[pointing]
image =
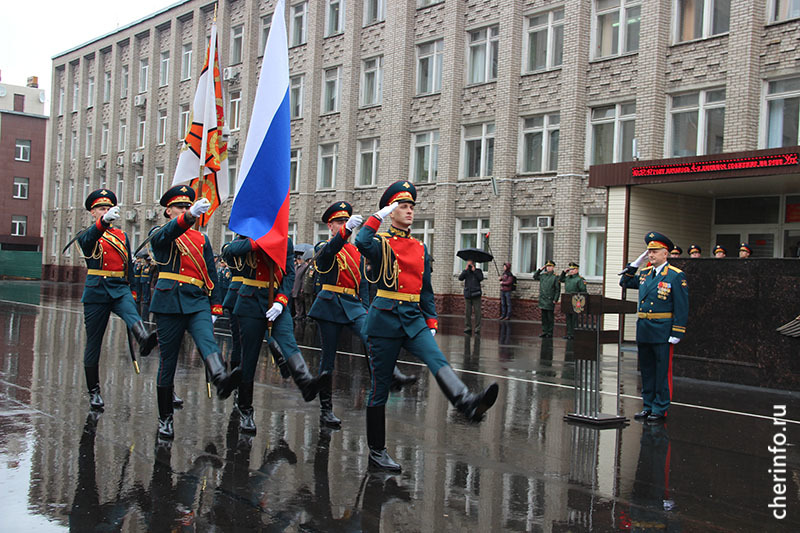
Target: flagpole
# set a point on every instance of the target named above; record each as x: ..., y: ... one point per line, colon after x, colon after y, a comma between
x: 212, y: 45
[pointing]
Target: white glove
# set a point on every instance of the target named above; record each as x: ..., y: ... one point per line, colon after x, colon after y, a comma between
x: 213, y: 319
x: 383, y: 213
x: 111, y: 215
x: 674, y: 340
x: 353, y: 222
x: 433, y: 332
x: 199, y: 207
x: 639, y: 260
x: 274, y: 311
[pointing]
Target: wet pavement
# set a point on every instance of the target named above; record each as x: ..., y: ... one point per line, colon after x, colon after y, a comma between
x: 710, y: 468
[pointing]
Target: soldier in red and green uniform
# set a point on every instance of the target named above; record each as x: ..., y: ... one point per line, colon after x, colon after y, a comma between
x: 403, y: 315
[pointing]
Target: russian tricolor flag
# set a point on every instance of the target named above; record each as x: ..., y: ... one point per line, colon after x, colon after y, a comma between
x: 261, y: 204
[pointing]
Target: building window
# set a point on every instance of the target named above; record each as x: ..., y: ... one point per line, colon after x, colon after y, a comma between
x: 22, y: 152
x: 163, y: 71
x: 297, y: 30
x: 186, y: 61
x: 85, y: 187
x: 540, y: 143
x: 141, y: 127
x: 161, y: 133
x: 334, y: 17
x: 21, y: 188
x: 120, y: 188
x: 266, y: 24
x: 293, y: 231
x: 429, y: 67
x: 321, y: 232
x: 68, y: 253
x: 233, y: 173
x: 425, y: 155
x: 478, y: 150
x: 233, y: 110
x: 236, y: 44
x: 89, y: 141
x: 783, y: 113
x: 104, y: 139
x: 158, y: 185
x: 545, y: 40
x: 328, y: 155
x: 138, y: 189
x: 533, y: 244
x: 60, y: 101
x: 374, y: 11
x: 54, y: 247
x: 423, y: 231
x: 616, y: 27
x: 369, y: 151
x: 106, y: 87
x: 613, y: 130
x: 471, y: 234
x: 57, y: 193
x: 73, y: 145
x: 698, y: 123
x: 697, y: 19
x: 330, y: 94
x: 371, y: 81
x: 483, y: 50
x: 71, y: 193
x: 123, y: 84
x: 296, y: 96
x: 123, y: 135
x: 184, y: 120
x: 75, y: 97
x: 19, y: 225
x: 90, y: 92
x: 593, y: 246
x: 294, y: 168
x: 426, y: 3
x: 784, y: 10
x: 144, y: 67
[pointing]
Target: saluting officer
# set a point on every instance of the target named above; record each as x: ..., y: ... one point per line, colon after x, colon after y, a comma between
x: 663, y: 313
x: 344, y: 298
x: 403, y: 314
x: 573, y: 282
x: 109, y: 286
x: 185, y: 298
x: 255, y: 310
x: 549, y: 291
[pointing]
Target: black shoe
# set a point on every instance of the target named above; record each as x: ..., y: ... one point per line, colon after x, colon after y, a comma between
x: 545, y: 336
x: 165, y: 410
x: 225, y: 382
x: 326, y: 416
x: 177, y: 401
x: 657, y: 418
x: 95, y: 400
x: 245, y: 401
x: 309, y: 386
x: 642, y: 414
x: 278, y: 358
x: 400, y: 380
x: 147, y: 340
x: 93, y: 386
x: 381, y: 460
x: 165, y: 428
x: 471, y: 405
x: 467, y: 332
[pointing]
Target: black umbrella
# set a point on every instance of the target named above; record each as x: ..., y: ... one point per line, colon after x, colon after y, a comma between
x: 475, y: 254
x: 302, y: 248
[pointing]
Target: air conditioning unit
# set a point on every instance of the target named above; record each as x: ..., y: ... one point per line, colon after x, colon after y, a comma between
x: 130, y: 216
x: 137, y: 157
x: 120, y: 160
x: 140, y: 100
x: 229, y: 74
x: 544, y: 222
x: 233, y: 145
x: 100, y: 164
x: 150, y: 214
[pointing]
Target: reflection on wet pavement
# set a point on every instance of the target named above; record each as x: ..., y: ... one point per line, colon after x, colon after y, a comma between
x: 523, y: 469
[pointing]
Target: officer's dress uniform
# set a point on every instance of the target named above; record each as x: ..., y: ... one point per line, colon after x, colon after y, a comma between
x: 663, y: 313
x: 235, y: 268
x: 402, y: 315
x: 145, y: 289
x: 573, y: 283
x: 549, y: 290
x: 252, y: 304
x: 108, y: 288
x: 185, y: 296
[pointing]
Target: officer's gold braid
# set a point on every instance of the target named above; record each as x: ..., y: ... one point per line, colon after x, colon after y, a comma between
x: 387, y: 272
x: 316, y: 267
x: 238, y: 263
x: 250, y: 260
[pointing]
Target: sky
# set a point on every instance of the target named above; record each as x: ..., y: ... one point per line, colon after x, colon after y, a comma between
x: 33, y: 31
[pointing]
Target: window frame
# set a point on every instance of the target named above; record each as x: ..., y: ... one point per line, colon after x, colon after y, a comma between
x: 266, y: 27
x: 380, y: 12
x: 551, y: 27
x: 183, y: 117
x: 234, y: 110
x: 371, y: 145
x: 22, y: 150
x: 547, y: 129
x: 334, y: 156
x: 186, y: 61
x: 707, y: 23
x: 701, y: 108
x: 298, y: 12
x: 425, y: 228
x: 90, y: 92
x: 480, y: 231
x: 486, y: 139
x: 19, y: 225
x: 618, y: 120
x: 138, y: 189
x: 144, y: 70
x: 337, y: 89
x: 237, y: 44
x: 432, y: 146
x: 119, y: 191
x: 141, y: 131
x: 122, y: 139
x: 124, y: 81
x: 158, y: 184
x: 766, y: 101
x: 89, y: 141
x: 295, y: 160
x: 21, y: 188
x: 435, y: 66
x: 542, y: 235
x: 106, y: 86
x: 161, y: 131
x: 773, y: 6
x: 491, y: 43
x: 376, y: 96
x: 622, y: 38
x: 329, y: 29
x: 586, y: 232
x: 296, y: 95
x: 163, y: 69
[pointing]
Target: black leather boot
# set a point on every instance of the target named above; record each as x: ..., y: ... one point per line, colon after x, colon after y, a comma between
x: 379, y: 458
x: 326, y: 416
x: 225, y: 382
x: 147, y: 340
x: 471, y: 405
x: 309, y: 386
x: 399, y: 380
x: 246, y: 422
x: 93, y: 386
x: 278, y: 358
x: 165, y: 428
x: 177, y: 401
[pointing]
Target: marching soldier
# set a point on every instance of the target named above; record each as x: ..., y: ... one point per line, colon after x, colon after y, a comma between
x: 136, y: 286
x: 403, y: 314
x: 235, y: 268
x: 663, y: 313
x: 695, y: 252
x: 144, y: 286
x: 573, y: 282
x: 254, y: 310
x: 745, y: 251
x: 549, y: 291
x: 343, y: 300
x: 185, y: 298
x: 108, y: 288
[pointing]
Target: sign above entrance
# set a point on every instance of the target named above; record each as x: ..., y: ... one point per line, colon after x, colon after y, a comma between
x: 747, y: 163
